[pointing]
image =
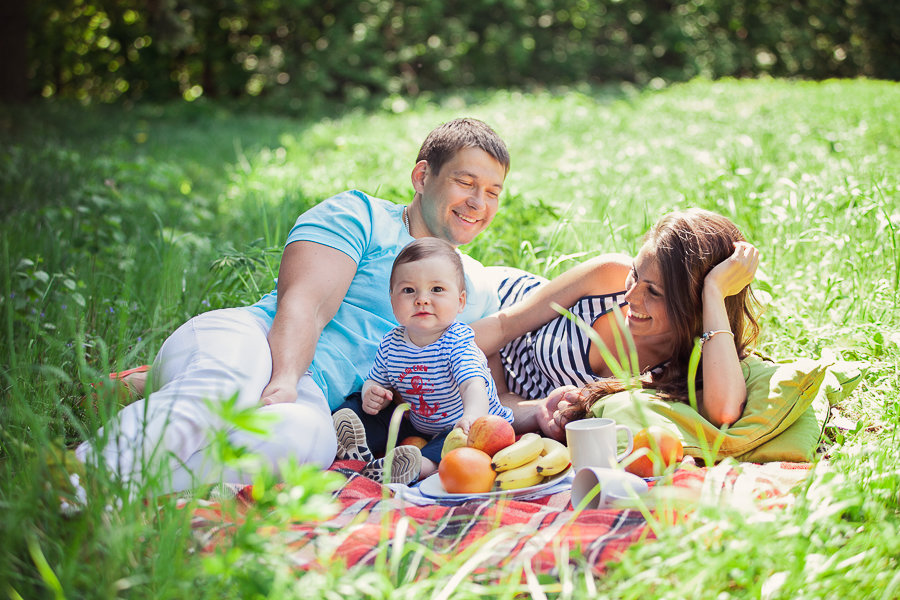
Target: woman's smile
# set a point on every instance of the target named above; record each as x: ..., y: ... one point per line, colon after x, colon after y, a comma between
x: 635, y: 315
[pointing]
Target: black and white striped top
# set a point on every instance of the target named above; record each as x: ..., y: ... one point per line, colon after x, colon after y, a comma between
x: 557, y: 353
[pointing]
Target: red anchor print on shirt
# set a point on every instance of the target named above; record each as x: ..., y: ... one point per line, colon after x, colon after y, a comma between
x: 418, y: 389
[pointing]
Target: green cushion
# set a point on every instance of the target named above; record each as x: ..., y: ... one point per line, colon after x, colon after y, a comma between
x: 787, y: 406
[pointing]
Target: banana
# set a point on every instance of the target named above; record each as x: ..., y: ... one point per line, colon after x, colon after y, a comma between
x: 550, y: 444
x: 554, y: 459
x: 525, y: 450
x: 523, y: 476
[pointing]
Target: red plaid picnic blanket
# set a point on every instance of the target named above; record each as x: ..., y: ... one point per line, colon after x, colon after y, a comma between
x: 539, y: 532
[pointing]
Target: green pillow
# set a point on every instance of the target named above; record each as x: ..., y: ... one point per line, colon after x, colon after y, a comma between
x: 799, y: 441
x: 787, y: 406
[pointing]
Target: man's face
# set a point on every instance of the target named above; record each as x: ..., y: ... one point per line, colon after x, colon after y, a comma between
x: 460, y: 201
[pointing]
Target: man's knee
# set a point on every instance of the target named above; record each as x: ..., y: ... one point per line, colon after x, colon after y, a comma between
x: 302, y: 432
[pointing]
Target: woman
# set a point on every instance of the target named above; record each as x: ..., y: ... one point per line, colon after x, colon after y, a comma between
x: 689, y: 280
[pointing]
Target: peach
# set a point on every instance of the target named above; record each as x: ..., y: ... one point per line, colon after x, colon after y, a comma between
x: 649, y: 463
x: 491, y: 433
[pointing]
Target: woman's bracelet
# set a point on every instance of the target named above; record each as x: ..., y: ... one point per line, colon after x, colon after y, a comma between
x: 709, y: 334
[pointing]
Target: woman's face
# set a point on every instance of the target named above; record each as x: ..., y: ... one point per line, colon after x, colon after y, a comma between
x: 646, y: 297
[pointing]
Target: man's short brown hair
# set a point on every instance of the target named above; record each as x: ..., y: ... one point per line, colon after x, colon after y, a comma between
x: 445, y: 141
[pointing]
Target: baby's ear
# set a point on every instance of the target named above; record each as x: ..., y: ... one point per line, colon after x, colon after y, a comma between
x: 462, y: 300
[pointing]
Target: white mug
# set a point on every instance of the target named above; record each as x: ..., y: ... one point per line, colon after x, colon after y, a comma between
x: 618, y: 488
x: 592, y: 442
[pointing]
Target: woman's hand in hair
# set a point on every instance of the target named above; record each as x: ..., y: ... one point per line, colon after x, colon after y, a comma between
x: 562, y: 405
x: 724, y: 388
x: 736, y: 272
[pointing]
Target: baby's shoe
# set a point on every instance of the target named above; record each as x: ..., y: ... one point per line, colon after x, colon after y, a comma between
x: 351, y: 436
x: 406, y: 464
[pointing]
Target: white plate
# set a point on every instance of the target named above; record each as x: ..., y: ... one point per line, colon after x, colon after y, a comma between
x: 431, y: 487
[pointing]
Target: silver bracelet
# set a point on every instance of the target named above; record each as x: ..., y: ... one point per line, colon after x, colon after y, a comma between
x: 709, y: 334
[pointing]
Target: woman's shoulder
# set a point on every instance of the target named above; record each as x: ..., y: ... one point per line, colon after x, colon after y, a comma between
x: 513, y: 285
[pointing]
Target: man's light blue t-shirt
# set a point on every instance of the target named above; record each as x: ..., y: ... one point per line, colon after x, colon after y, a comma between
x: 371, y: 232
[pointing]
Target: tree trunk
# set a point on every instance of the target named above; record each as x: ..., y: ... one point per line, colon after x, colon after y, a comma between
x: 13, y: 51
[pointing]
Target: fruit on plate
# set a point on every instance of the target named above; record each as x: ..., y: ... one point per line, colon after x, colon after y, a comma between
x: 457, y: 438
x: 490, y: 433
x: 414, y: 440
x: 524, y: 450
x: 554, y: 457
x: 491, y: 458
x: 655, y: 449
x: 521, y: 477
x: 466, y: 471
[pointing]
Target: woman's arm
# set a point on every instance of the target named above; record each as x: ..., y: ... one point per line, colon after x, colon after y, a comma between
x: 533, y: 415
x: 724, y: 389
x: 312, y: 282
x: 603, y: 274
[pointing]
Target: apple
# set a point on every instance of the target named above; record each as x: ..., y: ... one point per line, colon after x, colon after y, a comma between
x: 413, y: 440
x: 491, y: 433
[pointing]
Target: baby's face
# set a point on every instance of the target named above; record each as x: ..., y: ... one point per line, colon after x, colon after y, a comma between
x: 426, y: 297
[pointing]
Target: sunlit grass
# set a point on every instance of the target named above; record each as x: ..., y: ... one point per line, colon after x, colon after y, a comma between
x: 112, y: 219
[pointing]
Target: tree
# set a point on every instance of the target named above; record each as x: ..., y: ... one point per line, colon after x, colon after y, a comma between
x: 13, y: 51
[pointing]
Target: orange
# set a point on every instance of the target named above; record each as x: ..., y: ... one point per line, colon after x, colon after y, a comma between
x: 667, y: 451
x: 466, y: 471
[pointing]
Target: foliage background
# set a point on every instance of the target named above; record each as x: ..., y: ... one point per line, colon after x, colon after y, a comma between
x: 306, y: 53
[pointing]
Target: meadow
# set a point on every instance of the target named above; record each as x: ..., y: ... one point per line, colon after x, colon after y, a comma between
x: 119, y: 223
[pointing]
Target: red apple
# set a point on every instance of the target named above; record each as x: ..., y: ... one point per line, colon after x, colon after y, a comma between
x: 491, y: 433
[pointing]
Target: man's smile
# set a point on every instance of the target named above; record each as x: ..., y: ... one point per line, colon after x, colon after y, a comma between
x: 469, y: 220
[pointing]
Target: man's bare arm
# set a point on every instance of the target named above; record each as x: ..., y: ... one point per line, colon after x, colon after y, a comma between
x: 312, y: 282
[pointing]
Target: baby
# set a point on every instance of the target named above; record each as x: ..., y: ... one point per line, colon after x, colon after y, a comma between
x: 431, y: 360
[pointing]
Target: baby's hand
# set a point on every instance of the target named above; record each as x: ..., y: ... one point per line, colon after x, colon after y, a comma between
x: 465, y: 423
x: 375, y: 398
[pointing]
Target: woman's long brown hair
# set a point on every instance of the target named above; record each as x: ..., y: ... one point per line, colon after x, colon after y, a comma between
x: 687, y: 245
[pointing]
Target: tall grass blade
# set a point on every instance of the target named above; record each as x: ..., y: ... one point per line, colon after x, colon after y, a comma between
x: 44, y: 570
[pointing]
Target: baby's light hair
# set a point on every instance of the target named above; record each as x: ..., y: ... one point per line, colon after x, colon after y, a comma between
x: 427, y: 247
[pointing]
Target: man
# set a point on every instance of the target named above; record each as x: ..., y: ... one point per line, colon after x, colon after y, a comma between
x: 301, y: 349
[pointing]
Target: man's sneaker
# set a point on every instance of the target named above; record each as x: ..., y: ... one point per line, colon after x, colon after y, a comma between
x: 405, y: 467
x: 351, y: 437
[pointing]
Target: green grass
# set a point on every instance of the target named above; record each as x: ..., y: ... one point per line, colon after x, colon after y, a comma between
x: 113, y: 220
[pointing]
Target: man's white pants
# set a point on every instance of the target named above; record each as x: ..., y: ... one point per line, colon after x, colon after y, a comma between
x: 214, y: 357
